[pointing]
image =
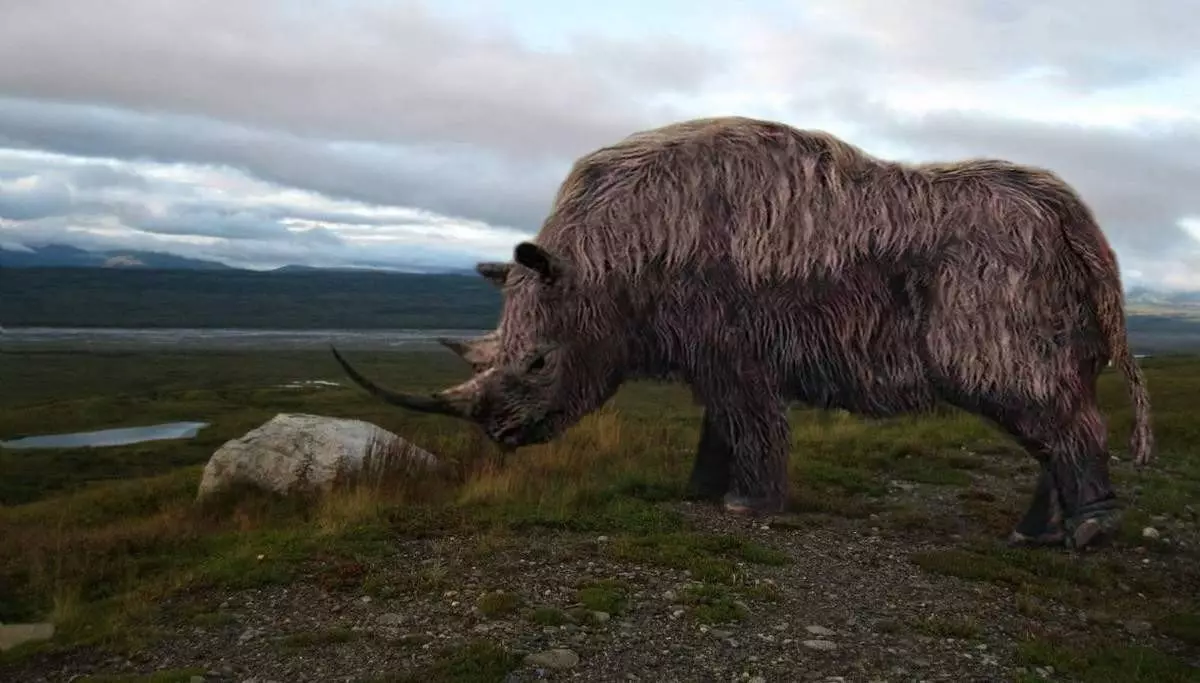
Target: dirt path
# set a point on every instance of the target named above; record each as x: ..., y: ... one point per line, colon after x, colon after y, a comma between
x: 923, y: 591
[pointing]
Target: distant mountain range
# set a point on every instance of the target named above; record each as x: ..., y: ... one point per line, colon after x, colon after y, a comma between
x: 1144, y: 297
x: 66, y: 256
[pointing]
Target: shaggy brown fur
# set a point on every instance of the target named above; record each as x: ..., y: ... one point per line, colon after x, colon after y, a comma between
x: 764, y: 264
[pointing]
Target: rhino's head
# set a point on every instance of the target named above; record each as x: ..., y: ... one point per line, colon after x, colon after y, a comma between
x: 545, y: 367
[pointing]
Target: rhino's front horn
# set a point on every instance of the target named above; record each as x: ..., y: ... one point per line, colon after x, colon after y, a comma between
x: 456, y: 402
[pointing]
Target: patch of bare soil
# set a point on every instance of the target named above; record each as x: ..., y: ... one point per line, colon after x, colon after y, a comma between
x: 876, y: 598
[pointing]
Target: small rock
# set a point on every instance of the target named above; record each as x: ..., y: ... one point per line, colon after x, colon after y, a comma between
x: 390, y: 619
x: 601, y: 616
x: 1150, y: 532
x: 757, y: 679
x: 248, y: 635
x: 819, y: 630
x: 819, y: 644
x: 1137, y: 627
x: 559, y: 658
x: 721, y: 634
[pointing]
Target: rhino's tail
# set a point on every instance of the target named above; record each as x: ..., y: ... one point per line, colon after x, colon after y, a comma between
x: 1087, y: 241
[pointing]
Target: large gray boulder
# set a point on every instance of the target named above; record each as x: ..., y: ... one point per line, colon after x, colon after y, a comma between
x: 298, y: 454
x: 12, y: 635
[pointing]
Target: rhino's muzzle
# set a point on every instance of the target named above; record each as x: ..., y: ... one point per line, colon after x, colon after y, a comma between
x: 450, y: 402
x: 516, y: 436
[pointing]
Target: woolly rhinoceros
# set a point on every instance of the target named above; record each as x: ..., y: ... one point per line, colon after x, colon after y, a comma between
x: 763, y: 264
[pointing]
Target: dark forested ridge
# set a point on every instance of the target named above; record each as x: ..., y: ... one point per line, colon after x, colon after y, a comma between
x: 312, y: 299
x: 331, y: 299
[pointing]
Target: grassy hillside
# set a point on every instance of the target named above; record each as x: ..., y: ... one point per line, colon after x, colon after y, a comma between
x: 889, y: 567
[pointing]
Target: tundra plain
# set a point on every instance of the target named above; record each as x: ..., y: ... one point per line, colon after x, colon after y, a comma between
x: 576, y: 560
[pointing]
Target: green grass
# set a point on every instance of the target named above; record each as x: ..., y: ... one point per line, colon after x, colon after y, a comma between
x: 603, y: 596
x: 312, y: 639
x: 95, y: 540
x: 547, y: 616
x: 1103, y: 661
x: 706, y: 557
x: 1184, y: 626
x: 964, y: 627
x: 498, y: 604
x: 168, y: 676
x: 478, y: 661
x: 714, y: 604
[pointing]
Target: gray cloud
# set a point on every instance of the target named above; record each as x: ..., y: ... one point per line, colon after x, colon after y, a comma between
x: 37, y: 198
x: 396, y: 106
x: 318, y: 246
x: 450, y: 181
x: 1082, y: 45
x: 206, y: 221
x: 390, y: 74
x: 1139, y: 184
x: 57, y: 199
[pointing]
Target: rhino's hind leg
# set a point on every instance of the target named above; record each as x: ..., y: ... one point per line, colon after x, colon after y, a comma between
x: 711, y: 469
x: 1042, y: 524
x: 1075, y: 459
x: 759, y: 441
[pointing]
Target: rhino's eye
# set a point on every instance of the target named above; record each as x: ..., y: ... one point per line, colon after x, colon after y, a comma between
x: 538, y: 363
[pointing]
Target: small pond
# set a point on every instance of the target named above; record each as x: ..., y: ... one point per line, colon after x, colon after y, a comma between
x: 110, y: 437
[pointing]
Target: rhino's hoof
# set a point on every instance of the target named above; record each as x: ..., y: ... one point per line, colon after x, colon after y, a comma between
x: 752, y: 507
x: 1051, y: 538
x: 1093, y: 532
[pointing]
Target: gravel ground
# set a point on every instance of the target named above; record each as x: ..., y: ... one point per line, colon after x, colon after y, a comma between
x: 846, y: 606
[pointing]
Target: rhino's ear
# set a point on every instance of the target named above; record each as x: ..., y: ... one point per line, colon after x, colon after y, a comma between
x: 548, y: 266
x: 494, y: 271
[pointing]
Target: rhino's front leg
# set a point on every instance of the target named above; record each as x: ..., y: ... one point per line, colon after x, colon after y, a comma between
x: 1042, y: 524
x: 711, y: 467
x: 759, y: 438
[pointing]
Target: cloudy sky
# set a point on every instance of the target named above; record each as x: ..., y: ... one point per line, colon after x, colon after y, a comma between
x: 335, y: 132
